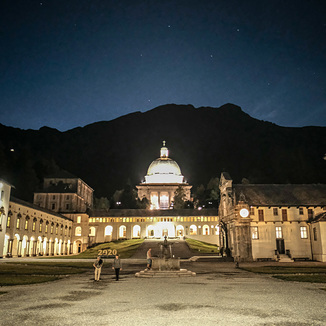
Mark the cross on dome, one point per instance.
(164, 151)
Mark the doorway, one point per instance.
(280, 246)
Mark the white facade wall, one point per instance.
(5, 189)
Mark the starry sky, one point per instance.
(65, 64)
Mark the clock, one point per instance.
(244, 212)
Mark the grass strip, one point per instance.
(202, 247)
(32, 269)
(311, 278)
(125, 249)
(286, 269)
(10, 280)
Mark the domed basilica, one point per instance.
(162, 180)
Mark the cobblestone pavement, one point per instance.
(220, 294)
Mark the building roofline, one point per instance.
(30, 205)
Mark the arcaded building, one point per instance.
(35, 231)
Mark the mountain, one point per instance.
(204, 141)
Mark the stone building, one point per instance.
(64, 193)
(273, 221)
(5, 189)
(35, 231)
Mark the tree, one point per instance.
(179, 198)
(101, 203)
(143, 203)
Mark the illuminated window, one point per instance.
(122, 231)
(284, 215)
(40, 229)
(18, 223)
(217, 230)
(275, 211)
(34, 226)
(193, 230)
(78, 219)
(52, 228)
(260, 215)
(8, 220)
(136, 231)
(205, 230)
(56, 230)
(78, 231)
(26, 224)
(108, 230)
(164, 201)
(254, 232)
(154, 201)
(303, 232)
(278, 230)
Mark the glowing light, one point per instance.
(244, 212)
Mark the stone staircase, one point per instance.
(285, 259)
(155, 273)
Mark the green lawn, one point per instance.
(125, 249)
(287, 269)
(202, 247)
(308, 273)
(18, 273)
(311, 278)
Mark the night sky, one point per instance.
(69, 63)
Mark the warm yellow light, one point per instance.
(244, 212)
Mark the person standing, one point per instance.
(98, 266)
(117, 266)
(149, 258)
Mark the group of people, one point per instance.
(116, 265)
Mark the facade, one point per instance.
(272, 222)
(64, 193)
(5, 189)
(162, 180)
(35, 231)
(154, 224)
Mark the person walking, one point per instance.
(98, 266)
(149, 258)
(117, 266)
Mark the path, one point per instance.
(218, 295)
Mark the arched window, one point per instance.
(180, 231)
(205, 230)
(122, 231)
(78, 231)
(193, 230)
(150, 231)
(92, 231)
(108, 230)
(136, 231)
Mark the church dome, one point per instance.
(164, 169)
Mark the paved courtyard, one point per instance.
(220, 294)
